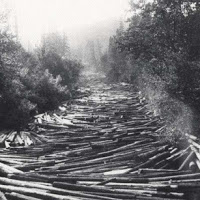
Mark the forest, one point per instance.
(158, 50)
(33, 82)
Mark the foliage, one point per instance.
(161, 43)
(55, 43)
(67, 69)
(114, 62)
(48, 93)
(14, 106)
(57, 62)
(31, 83)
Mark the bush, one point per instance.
(177, 115)
(67, 69)
(14, 107)
(49, 93)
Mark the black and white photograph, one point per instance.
(99, 99)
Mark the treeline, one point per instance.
(159, 52)
(34, 82)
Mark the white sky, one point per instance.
(35, 17)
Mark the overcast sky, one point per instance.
(35, 17)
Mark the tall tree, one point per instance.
(98, 50)
(89, 54)
(57, 43)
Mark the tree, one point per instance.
(98, 50)
(27, 82)
(89, 54)
(161, 43)
(114, 62)
(56, 43)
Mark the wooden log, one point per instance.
(51, 126)
(150, 171)
(43, 194)
(27, 178)
(87, 188)
(17, 196)
(187, 160)
(198, 163)
(2, 196)
(178, 177)
(196, 152)
(192, 137)
(5, 170)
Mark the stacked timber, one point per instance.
(194, 144)
(105, 146)
(23, 138)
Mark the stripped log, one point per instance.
(106, 146)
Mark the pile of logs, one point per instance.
(106, 146)
(23, 138)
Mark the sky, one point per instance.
(35, 17)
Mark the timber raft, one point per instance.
(107, 146)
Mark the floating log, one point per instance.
(107, 146)
(5, 170)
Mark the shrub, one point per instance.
(14, 107)
(67, 69)
(177, 115)
(49, 93)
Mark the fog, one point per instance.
(36, 17)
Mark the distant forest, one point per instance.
(159, 52)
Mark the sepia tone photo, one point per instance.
(99, 99)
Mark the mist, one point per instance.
(77, 19)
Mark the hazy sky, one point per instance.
(35, 17)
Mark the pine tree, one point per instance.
(90, 57)
(57, 43)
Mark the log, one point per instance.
(5, 170)
(187, 160)
(17, 196)
(2, 196)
